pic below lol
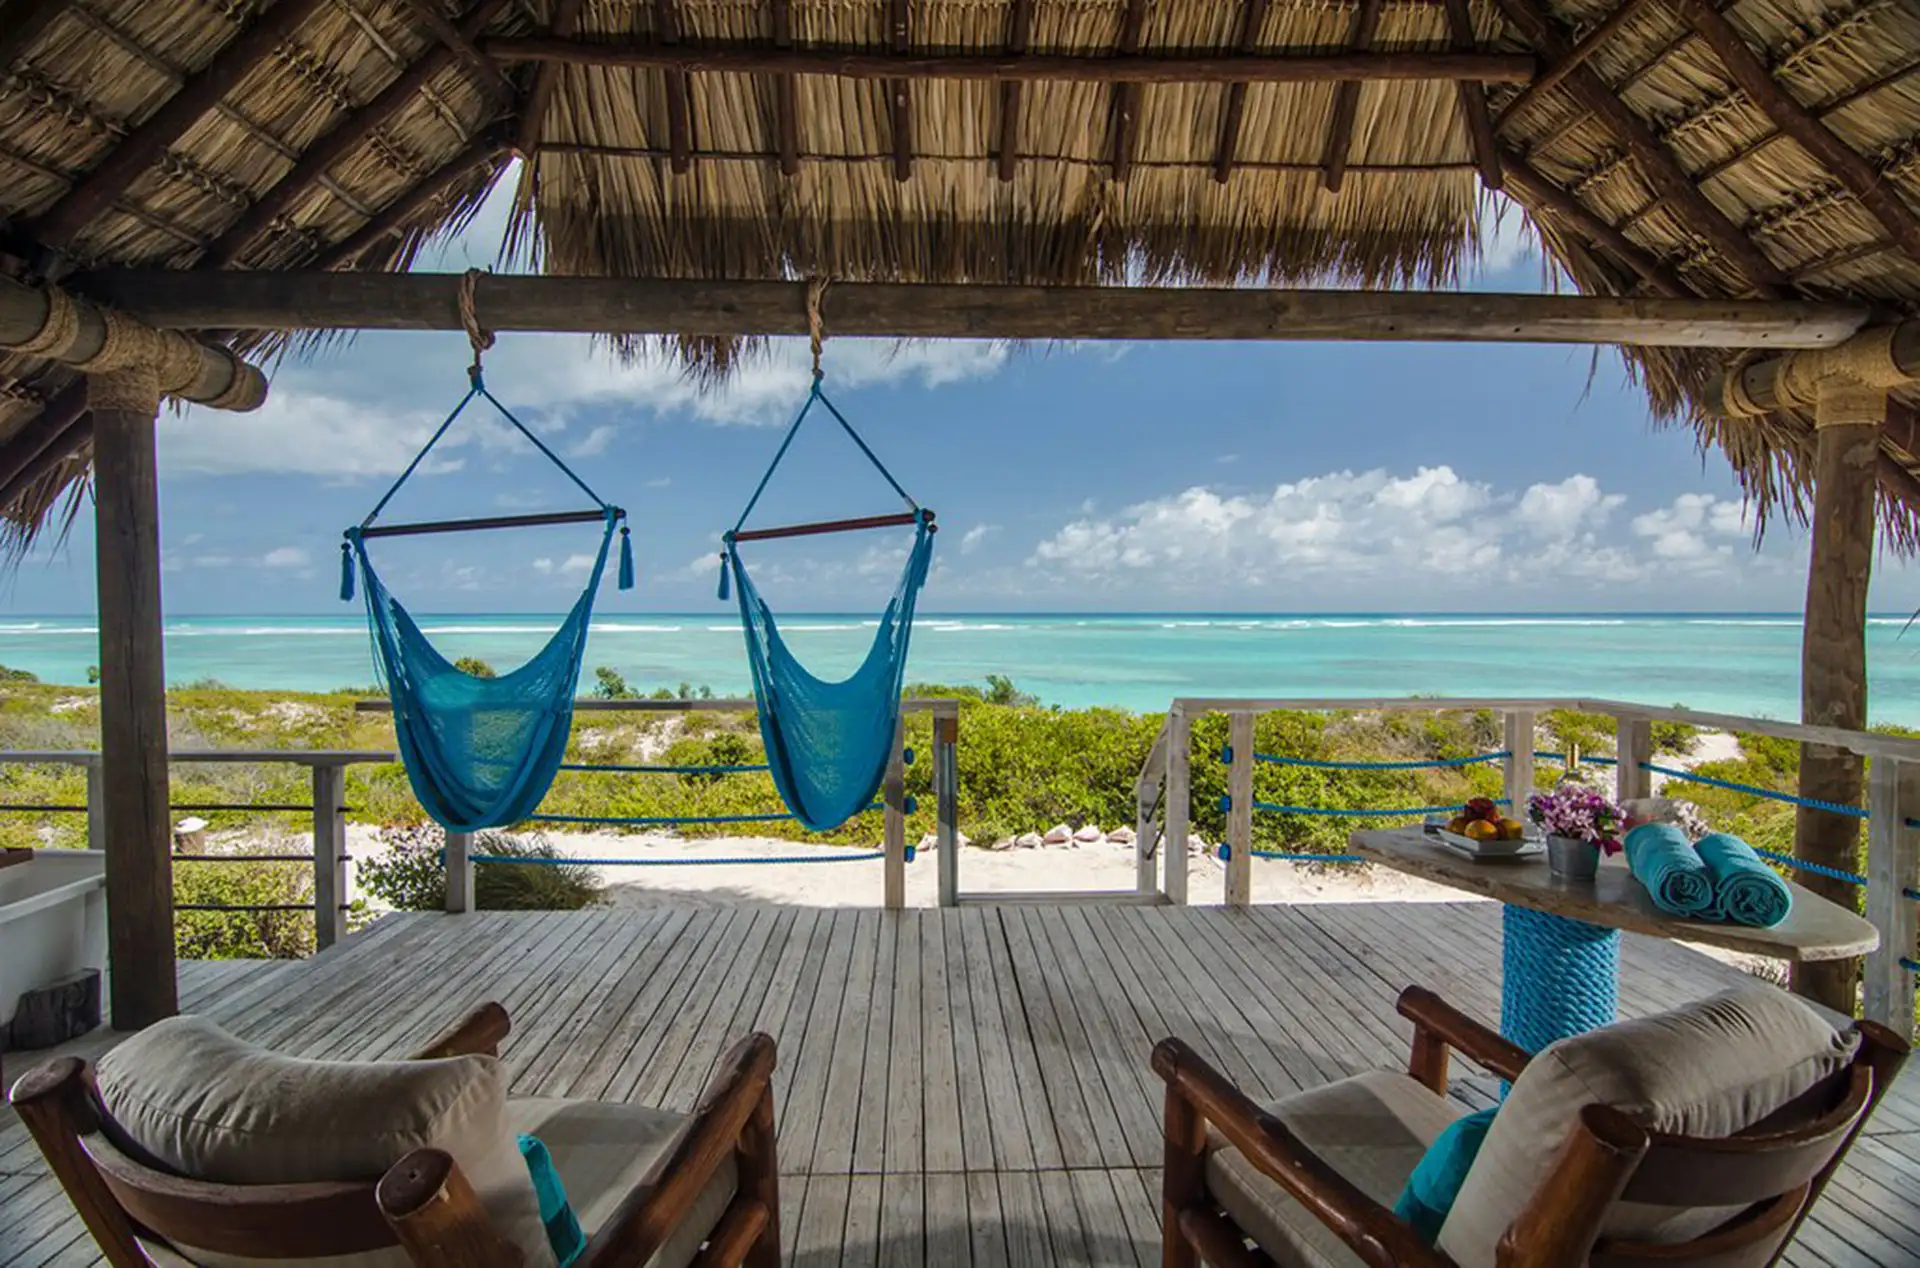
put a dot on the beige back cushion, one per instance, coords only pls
(211, 1107)
(1709, 1069)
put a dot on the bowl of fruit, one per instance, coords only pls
(1480, 829)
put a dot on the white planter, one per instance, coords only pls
(53, 921)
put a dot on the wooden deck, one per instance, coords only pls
(955, 1087)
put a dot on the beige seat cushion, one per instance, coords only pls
(196, 1101)
(1372, 1129)
(601, 1150)
(1712, 1068)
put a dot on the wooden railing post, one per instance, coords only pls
(459, 872)
(329, 855)
(1893, 867)
(96, 800)
(1149, 795)
(1240, 811)
(894, 794)
(946, 800)
(1633, 745)
(1519, 761)
(1173, 845)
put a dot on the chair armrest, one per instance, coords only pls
(1438, 1025)
(648, 1215)
(477, 1035)
(437, 1216)
(1371, 1230)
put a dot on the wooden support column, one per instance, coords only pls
(1240, 811)
(459, 857)
(1893, 868)
(1833, 656)
(946, 800)
(1173, 841)
(133, 700)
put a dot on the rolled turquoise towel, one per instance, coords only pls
(1746, 890)
(1663, 860)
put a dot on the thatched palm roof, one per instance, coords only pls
(340, 133)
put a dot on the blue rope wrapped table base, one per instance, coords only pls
(1559, 977)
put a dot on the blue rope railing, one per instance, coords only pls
(660, 770)
(1771, 794)
(1225, 852)
(664, 821)
(1402, 812)
(1226, 758)
(1547, 754)
(859, 856)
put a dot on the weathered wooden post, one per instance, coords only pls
(1893, 868)
(1518, 764)
(96, 799)
(459, 856)
(1833, 655)
(946, 801)
(1173, 841)
(329, 855)
(132, 813)
(894, 796)
(1632, 745)
(1240, 810)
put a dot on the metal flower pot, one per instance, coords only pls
(1573, 859)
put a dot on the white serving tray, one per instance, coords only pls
(1490, 851)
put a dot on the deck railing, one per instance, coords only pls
(1892, 812)
(327, 807)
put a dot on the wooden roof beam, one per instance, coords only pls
(1538, 193)
(1019, 29)
(21, 23)
(786, 105)
(1473, 98)
(666, 21)
(1556, 74)
(460, 43)
(1346, 100)
(94, 193)
(1855, 173)
(312, 166)
(546, 77)
(1251, 20)
(900, 105)
(1656, 163)
(394, 216)
(1123, 68)
(40, 431)
(1126, 98)
(509, 302)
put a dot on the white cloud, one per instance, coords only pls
(286, 557)
(1696, 531)
(594, 442)
(543, 566)
(971, 539)
(575, 565)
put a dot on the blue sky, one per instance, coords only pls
(1270, 477)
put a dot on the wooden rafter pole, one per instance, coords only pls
(396, 215)
(1019, 28)
(1538, 193)
(22, 22)
(546, 77)
(1121, 68)
(460, 43)
(899, 99)
(335, 144)
(41, 431)
(63, 447)
(1346, 99)
(1855, 173)
(666, 21)
(1252, 19)
(1473, 98)
(94, 194)
(1555, 75)
(425, 301)
(786, 106)
(1656, 163)
(1126, 98)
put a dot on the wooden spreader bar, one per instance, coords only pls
(899, 520)
(474, 525)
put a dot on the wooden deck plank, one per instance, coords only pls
(903, 1086)
(903, 1230)
(975, 1107)
(986, 1218)
(855, 1060)
(1017, 1115)
(807, 1065)
(1023, 1218)
(861, 1246)
(821, 1235)
(949, 1244)
(1081, 1116)
(942, 1145)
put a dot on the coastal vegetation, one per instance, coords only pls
(1023, 767)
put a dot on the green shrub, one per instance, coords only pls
(17, 677)
(609, 685)
(242, 935)
(410, 874)
(474, 666)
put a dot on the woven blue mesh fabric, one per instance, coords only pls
(480, 752)
(1559, 977)
(828, 742)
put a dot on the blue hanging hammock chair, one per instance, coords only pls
(828, 743)
(479, 752)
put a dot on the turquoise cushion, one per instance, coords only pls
(563, 1230)
(1436, 1182)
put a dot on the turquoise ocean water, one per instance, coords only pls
(1732, 663)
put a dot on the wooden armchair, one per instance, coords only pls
(1767, 1176)
(423, 1205)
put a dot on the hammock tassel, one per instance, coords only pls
(726, 590)
(626, 559)
(346, 572)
